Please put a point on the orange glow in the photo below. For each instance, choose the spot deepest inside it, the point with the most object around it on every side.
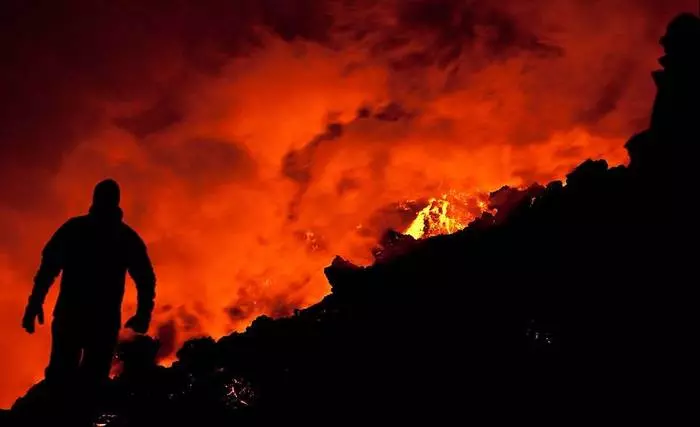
(288, 151)
(446, 215)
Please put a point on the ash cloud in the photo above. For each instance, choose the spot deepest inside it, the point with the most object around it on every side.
(206, 162)
(152, 120)
(63, 59)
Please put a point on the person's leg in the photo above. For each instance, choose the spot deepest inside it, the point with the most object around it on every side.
(98, 354)
(65, 354)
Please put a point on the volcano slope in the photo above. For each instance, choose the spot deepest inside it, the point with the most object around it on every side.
(576, 302)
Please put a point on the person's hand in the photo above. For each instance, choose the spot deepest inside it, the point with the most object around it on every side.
(32, 313)
(138, 323)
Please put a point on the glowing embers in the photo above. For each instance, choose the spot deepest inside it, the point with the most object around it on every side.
(451, 212)
(540, 335)
(239, 393)
(105, 420)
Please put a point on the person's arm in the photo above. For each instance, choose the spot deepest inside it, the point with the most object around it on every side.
(52, 261)
(141, 271)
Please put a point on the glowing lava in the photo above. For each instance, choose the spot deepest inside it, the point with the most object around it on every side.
(445, 215)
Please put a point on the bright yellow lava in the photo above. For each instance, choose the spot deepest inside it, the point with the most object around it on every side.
(445, 215)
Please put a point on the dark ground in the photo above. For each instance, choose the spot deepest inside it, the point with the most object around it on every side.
(575, 303)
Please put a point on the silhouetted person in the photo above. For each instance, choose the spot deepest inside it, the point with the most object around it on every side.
(94, 252)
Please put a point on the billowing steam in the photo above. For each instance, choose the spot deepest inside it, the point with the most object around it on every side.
(256, 139)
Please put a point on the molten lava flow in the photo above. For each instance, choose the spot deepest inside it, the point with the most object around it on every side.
(445, 215)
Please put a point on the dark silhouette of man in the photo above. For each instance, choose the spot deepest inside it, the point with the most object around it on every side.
(93, 252)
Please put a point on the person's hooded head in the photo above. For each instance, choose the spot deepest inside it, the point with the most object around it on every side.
(105, 200)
